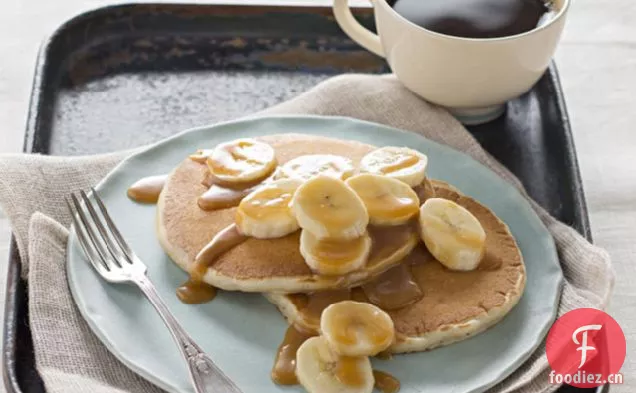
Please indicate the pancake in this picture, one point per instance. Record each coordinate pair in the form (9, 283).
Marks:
(264, 265)
(454, 305)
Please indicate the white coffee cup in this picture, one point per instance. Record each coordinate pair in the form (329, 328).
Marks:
(471, 77)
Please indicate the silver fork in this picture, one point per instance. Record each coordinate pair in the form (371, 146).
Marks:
(116, 262)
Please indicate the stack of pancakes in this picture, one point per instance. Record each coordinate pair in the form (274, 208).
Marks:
(454, 305)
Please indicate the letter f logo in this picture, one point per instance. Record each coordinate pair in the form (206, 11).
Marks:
(583, 344)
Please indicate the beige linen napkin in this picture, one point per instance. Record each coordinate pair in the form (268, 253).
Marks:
(72, 360)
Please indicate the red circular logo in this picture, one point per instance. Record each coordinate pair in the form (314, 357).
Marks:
(585, 348)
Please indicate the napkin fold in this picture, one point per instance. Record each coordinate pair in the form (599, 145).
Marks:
(71, 359)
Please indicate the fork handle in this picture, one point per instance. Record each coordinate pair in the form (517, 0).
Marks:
(205, 375)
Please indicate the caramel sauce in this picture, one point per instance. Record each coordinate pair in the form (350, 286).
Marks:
(392, 207)
(217, 197)
(209, 180)
(220, 167)
(358, 295)
(312, 305)
(382, 205)
(348, 372)
(386, 383)
(416, 262)
(284, 370)
(222, 195)
(196, 292)
(404, 161)
(332, 252)
(273, 198)
(425, 190)
(394, 289)
(224, 241)
(385, 240)
(148, 189)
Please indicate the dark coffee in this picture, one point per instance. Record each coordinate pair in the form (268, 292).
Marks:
(476, 18)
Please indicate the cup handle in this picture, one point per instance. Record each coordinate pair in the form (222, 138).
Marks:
(355, 30)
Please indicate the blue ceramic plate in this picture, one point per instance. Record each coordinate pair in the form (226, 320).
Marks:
(241, 332)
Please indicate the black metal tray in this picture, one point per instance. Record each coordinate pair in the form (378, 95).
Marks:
(127, 75)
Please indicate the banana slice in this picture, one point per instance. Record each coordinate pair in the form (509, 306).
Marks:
(306, 167)
(401, 163)
(328, 208)
(388, 200)
(201, 155)
(452, 234)
(321, 370)
(331, 257)
(241, 161)
(356, 329)
(265, 213)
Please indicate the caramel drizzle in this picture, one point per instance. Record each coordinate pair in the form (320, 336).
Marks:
(284, 370)
(223, 196)
(148, 189)
(314, 304)
(404, 162)
(196, 292)
(217, 197)
(221, 243)
(394, 289)
(385, 382)
(347, 373)
(425, 190)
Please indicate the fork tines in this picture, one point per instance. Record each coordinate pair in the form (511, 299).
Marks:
(98, 236)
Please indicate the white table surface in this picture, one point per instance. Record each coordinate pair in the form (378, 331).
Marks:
(597, 63)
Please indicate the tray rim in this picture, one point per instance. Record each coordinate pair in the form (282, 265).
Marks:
(36, 143)
(582, 214)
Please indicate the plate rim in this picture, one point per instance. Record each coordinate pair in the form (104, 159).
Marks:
(143, 372)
